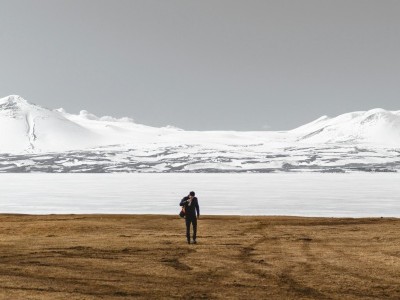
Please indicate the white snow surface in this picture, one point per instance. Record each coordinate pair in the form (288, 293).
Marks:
(36, 139)
(376, 126)
(307, 194)
(29, 128)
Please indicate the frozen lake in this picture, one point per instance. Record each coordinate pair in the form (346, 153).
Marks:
(301, 194)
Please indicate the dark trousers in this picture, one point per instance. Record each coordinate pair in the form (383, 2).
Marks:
(192, 220)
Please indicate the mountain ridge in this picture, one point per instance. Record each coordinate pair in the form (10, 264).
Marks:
(28, 128)
(375, 126)
(37, 139)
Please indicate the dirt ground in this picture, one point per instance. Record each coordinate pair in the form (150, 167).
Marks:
(147, 257)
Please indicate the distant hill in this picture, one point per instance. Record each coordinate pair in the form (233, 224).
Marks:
(33, 138)
(376, 126)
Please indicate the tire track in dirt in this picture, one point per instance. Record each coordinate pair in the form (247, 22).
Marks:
(283, 278)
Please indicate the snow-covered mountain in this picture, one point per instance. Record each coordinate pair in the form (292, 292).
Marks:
(33, 138)
(377, 127)
(29, 128)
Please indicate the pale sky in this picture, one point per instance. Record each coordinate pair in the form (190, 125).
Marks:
(203, 65)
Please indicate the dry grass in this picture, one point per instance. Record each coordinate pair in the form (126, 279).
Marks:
(137, 256)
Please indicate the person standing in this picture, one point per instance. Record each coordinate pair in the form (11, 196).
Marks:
(191, 205)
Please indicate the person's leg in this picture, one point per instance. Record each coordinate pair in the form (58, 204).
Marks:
(188, 230)
(194, 229)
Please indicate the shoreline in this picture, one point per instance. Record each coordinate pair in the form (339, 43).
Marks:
(202, 216)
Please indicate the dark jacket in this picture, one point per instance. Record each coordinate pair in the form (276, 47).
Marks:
(190, 210)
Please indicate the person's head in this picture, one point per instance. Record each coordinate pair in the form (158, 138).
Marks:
(191, 194)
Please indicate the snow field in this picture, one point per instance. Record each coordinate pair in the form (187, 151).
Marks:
(301, 194)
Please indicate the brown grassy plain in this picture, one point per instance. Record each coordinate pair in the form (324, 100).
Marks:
(146, 257)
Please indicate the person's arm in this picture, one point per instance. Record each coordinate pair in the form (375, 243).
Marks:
(197, 208)
(183, 201)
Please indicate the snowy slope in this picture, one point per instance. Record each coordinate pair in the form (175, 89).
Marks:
(33, 138)
(377, 126)
(31, 128)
